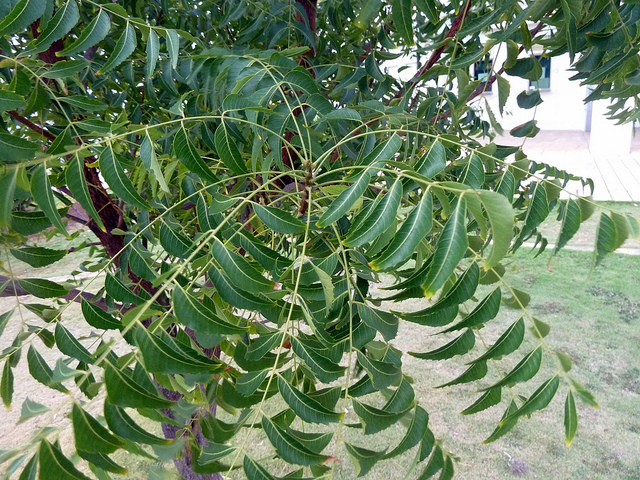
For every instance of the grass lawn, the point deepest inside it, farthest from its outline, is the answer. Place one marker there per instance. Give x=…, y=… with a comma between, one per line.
x=594, y=318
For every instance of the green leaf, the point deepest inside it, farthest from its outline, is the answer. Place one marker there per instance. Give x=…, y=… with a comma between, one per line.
x=98, y=318
x=450, y=249
x=486, y=310
x=162, y=354
x=38, y=256
x=458, y=346
x=124, y=391
x=503, y=92
x=570, y=418
x=433, y=161
x=415, y=433
x=150, y=161
x=382, y=374
x=55, y=464
x=66, y=69
x=254, y=471
x=508, y=342
x=523, y=371
x=473, y=173
x=415, y=228
x=529, y=99
x=287, y=447
x=504, y=427
x=7, y=190
x=346, y=200
x=239, y=271
x=488, y=399
x=174, y=242
x=173, y=46
x=6, y=385
x=374, y=419
x=384, y=322
x=77, y=183
x=68, y=345
x=118, y=180
x=14, y=149
x=153, y=52
x=10, y=101
x=83, y=103
x=305, y=407
x=402, y=22
x=501, y=219
x=63, y=21
x=43, y=196
x=41, y=372
x=96, y=31
x=364, y=459
x=607, y=237
x=23, y=14
x=538, y=399
x=124, y=426
x=228, y=151
x=194, y=314
x=101, y=461
x=90, y=435
x=279, y=220
x=326, y=370
x=189, y=156
x=31, y=409
x=42, y=288
x=527, y=129
x=378, y=218
x=4, y=319
x=316, y=442
x=125, y=46
x=536, y=213
x=435, y=464
x=475, y=372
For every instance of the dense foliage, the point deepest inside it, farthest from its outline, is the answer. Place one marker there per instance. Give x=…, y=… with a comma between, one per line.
x=250, y=170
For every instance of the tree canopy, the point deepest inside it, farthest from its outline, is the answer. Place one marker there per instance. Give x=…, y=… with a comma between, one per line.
x=247, y=171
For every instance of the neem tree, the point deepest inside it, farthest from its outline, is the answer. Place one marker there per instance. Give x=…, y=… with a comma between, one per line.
x=249, y=170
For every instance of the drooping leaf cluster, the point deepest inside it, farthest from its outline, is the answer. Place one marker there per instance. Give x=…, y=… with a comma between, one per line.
x=249, y=170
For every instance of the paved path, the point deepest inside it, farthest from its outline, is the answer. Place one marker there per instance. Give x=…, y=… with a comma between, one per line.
x=616, y=177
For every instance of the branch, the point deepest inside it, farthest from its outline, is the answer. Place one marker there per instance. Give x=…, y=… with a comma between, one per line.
x=437, y=53
x=28, y=123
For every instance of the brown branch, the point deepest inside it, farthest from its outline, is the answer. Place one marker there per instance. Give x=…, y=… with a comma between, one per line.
x=437, y=53
x=28, y=123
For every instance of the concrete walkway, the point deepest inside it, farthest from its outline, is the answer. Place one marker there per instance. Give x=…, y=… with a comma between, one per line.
x=616, y=177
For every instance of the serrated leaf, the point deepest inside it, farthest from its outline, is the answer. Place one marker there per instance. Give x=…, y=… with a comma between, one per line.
x=98, y=318
x=42, y=288
x=254, y=471
x=347, y=199
x=488, y=399
x=305, y=407
x=65, y=69
x=194, y=314
x=249, y=382
x=68, y=345
x=570, y=418
x=537, y=401
x=96, y=31
x=125, y=46
x=433, y=161
x=607, y=237
x=475, y=372
x=118, y=180
x=382, y=374
x=43, y=196
x=153, y=51
x=189, y=156
x=450, y=249
x=239, y=271
x=10, y=101
x=174, y=242
x=508, y=342
x=377, y=219
x=523, y=371
x=363, y=458
x=56, y=465
x=122, y=390
x=24, y=13
x=6, y=384
x=287, y=447
x=4, y=319
x=415, y=228
x=162, y=354
x=415, y=433
x=504, y=427
x=63, y=21
x=384, y=322
x=14, y=149
x=503, y=92
x=90, y=435
x=124, y=426
x=501, y=219
x=279, y=220
x=228, y=151
x=77, y=183
x=402, y=22
x=374, y=419
x=150, y=161
x=486, y=310
x=458, y=346
x=41, y=372
x=38, y=256
x=326, y=370
x=173, y=46
x=473, y=173
x=101, y=461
